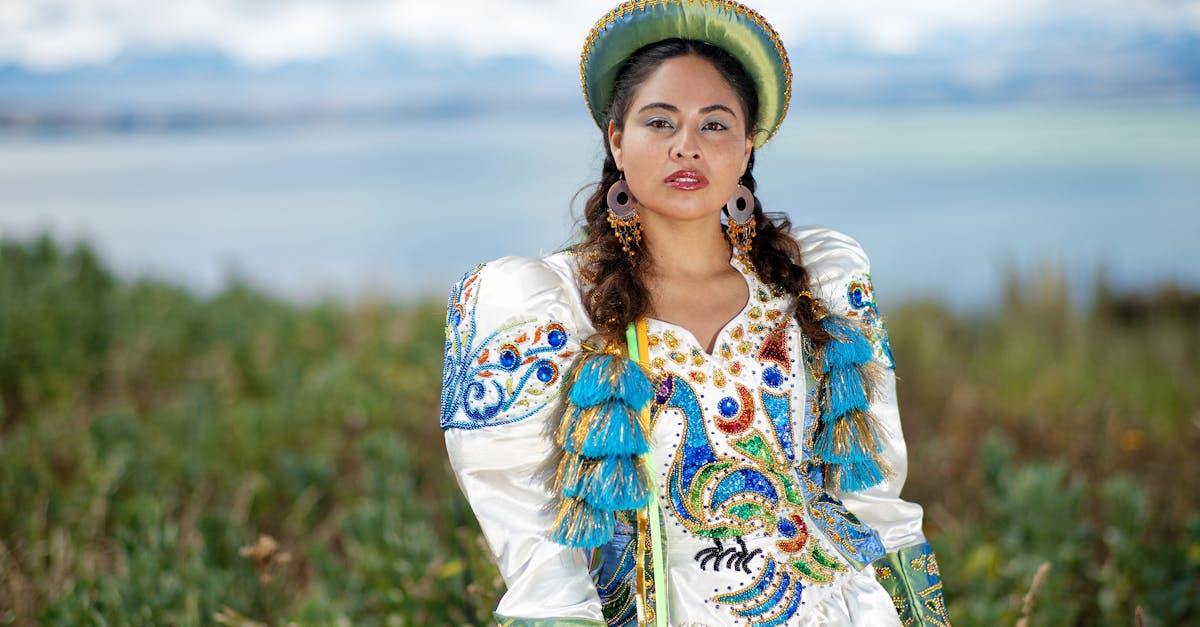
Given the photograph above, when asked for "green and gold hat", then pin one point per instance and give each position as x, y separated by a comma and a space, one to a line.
738, 30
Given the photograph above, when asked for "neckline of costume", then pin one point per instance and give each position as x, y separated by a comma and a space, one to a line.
752, 286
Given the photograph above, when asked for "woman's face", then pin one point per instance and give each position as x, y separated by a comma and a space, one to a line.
684, 144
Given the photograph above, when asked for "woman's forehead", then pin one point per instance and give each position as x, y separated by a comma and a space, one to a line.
688, 82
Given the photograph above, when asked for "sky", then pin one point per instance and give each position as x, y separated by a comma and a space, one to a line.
53, 35
962, 122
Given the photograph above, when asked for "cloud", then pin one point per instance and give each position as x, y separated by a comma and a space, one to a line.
53, 34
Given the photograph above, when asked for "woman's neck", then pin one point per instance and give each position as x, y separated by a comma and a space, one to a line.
685, 248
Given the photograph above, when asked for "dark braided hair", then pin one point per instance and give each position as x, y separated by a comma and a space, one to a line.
618, 295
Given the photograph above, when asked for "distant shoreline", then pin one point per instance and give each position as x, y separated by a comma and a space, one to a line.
122, 119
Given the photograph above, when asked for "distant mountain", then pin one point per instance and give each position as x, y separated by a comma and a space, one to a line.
188, 89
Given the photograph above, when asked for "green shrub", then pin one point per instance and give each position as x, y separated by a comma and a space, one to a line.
151, 437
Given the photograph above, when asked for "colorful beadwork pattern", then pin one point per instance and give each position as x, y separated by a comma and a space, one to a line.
856, 541
723, 497
760, 488
861, 296
740, 482
615, 574
911, 576
506, 376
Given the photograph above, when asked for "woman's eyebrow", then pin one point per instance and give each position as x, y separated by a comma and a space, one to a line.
673, 108
718, 107
659, 105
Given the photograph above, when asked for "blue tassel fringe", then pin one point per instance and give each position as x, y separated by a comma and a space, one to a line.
581, 525
846, 393
591, 385
601, 436
859, 476
574, 472
848, 348
623, 435
845, 408
619, 484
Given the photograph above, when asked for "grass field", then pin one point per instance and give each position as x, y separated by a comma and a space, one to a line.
240, 460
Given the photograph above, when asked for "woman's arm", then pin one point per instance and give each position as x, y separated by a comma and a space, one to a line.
841, 278
511, 340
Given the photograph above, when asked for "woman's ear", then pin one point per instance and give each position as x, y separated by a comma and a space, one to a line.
614, 143
749, 150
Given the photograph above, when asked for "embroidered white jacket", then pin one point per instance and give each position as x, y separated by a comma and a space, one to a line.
752, 534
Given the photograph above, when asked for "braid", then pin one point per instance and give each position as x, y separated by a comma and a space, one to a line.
776, 257
618, 294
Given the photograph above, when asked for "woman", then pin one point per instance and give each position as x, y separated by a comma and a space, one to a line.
679, 421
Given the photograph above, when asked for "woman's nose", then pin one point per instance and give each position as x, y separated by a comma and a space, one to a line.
686, 147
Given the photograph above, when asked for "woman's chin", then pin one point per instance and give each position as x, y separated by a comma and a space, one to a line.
685, 209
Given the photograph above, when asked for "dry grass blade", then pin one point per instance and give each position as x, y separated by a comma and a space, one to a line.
1038, 579
231, 618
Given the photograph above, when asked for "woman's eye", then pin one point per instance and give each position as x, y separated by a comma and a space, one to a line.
714, 126
658, 123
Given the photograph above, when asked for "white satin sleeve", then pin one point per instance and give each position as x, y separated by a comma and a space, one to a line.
511, 340
840, 275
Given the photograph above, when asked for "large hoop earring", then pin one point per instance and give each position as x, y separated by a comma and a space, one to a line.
741, 224
623, 218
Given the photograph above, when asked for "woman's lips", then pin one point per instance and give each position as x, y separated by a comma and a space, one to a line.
687, 180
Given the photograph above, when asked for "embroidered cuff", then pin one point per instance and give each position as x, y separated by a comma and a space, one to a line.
911, 576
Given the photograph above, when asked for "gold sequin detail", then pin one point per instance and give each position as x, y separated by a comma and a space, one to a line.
926, 564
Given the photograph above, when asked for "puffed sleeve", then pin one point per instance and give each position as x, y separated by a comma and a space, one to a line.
511, 339
840, 277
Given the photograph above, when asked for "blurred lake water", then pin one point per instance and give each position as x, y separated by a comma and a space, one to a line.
943, 199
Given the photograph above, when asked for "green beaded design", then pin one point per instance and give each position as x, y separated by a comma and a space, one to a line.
911, 576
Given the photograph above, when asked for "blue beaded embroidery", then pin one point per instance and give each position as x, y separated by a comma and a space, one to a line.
760, 601
723, 497
728, 407
861, 295
779, 410
504, 377
615, 577
860, 544
758, 490
755, 589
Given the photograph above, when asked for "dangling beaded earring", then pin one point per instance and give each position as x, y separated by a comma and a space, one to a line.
623, 218
741, 224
